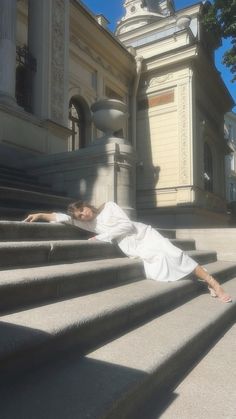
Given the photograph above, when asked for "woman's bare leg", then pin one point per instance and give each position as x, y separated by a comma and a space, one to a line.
214, 287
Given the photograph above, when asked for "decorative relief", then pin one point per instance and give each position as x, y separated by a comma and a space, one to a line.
92, 54
154, 81
183, 134
57, 64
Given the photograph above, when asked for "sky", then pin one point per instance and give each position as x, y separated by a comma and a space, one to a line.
113, 10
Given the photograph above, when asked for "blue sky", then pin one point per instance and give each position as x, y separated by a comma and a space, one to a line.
113, 10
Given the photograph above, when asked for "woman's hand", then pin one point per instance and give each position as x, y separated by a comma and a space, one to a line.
42, 216
92, 238
32, 218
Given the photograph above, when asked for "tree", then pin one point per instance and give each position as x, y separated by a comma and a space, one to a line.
220, 19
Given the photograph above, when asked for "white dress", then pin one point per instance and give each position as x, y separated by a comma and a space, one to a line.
162, 260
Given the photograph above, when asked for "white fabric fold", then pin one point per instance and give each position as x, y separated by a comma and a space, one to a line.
162, 260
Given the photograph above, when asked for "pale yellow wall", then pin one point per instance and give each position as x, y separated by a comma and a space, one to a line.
158, 146
164, 141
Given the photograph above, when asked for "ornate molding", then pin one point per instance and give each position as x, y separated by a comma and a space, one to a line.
58, 58
183, 134
154, 81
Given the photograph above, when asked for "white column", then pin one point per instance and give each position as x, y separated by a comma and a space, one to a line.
7, 51
48, 40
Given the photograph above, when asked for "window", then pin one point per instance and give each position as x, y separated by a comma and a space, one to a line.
208, 168
230, 131
77, 121
26, 67
231, 191
232, 162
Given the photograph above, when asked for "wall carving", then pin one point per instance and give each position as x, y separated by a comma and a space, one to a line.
154, 81
183, 134
58, 58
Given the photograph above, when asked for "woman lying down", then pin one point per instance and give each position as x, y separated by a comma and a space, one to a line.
162, 260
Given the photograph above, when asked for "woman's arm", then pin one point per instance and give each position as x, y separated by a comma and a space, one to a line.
117, 225
41, 216
122, 229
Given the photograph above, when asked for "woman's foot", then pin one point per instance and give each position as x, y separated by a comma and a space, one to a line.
217, 291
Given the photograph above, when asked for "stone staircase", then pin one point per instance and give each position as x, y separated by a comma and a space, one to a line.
22, 192
85, 335
16, 177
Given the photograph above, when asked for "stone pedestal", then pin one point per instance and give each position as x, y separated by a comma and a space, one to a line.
99, 173
95, 174
7, 52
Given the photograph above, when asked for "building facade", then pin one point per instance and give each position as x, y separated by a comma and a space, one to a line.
230, 160
160, 63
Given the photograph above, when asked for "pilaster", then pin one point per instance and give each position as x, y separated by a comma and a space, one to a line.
7, 51
49, 44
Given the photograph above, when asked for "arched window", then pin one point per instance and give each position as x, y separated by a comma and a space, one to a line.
25, 70
21, 87
208, 168
77, 119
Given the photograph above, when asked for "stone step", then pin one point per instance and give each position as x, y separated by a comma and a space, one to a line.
14, 254
167, 232
24, 184
10, 173
20, 178
31, 285
30, 253
184, 244
19, 231
13, 214
113, 381
202, 256
19, 198
12, 170
21, 288
218, 368
89, 320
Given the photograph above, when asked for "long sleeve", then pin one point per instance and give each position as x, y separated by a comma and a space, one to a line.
66, 219
62, 218
116, 224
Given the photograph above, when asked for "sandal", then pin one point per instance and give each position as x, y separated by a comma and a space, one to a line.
225, 298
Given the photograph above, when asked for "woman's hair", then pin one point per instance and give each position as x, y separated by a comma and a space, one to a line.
80, 205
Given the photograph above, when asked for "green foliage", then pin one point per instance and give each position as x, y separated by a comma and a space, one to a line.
220, 19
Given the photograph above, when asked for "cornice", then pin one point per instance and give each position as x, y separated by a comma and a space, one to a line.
181, 54
105, 32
